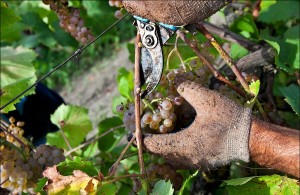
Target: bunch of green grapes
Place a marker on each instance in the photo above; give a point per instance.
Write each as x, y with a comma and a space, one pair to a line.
20, 171
70, 20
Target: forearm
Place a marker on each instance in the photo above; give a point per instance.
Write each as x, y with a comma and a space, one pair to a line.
275, 147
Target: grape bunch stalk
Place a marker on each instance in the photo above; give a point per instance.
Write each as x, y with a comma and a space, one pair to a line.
70, 20
21, 167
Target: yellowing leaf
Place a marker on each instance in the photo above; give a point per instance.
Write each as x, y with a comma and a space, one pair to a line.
78, 183
254, 89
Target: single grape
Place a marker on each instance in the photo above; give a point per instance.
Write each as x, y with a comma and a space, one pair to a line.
118, 14
164, 113
154, 125
156, 117
166, 105
120, 108
168, 122
178, 100
173, 116
171, 75
147, 118
163, 129
42, 160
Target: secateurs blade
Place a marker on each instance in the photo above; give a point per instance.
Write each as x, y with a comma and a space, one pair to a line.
153, 37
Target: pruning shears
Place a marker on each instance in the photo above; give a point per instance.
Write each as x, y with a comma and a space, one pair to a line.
153, 37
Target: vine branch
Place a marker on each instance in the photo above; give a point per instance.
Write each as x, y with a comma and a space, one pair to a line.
137, 100
214, 71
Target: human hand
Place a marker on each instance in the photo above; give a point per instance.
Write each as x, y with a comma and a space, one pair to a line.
218, 135
177, 13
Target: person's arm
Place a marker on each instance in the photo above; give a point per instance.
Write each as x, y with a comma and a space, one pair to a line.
275, 147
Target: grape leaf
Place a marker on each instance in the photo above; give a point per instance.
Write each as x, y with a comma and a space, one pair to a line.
75, 124
163, 187
125, 83
40, 184
273, 11
254, 89
237, 51
247, 25
273, 184
107, 188
292, 96
108, 142
17, 73
67, 167
8, 18
77, 183
238, 181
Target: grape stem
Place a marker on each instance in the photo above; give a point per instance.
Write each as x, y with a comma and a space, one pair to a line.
148, 104
122, 177
175, 49
214, 71
137, 100
93, 139
66, 141
4, 181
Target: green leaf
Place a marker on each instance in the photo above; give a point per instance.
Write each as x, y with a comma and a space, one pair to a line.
274, 11
254, 89
8, 18
75, 124
163, 187
187, 181
237, 182
291, 48
246, 24
292, 96
125, 83
237, 51
273, 184
107, 188
17, 73
108, 142
40, 184
67, 167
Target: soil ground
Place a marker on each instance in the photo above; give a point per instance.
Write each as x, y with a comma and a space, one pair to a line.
96, 88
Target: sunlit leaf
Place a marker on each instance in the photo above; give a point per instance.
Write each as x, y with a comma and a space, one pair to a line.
163, 187
78, 183
292, 96
67, 167
254, 89
75, 124
17, 73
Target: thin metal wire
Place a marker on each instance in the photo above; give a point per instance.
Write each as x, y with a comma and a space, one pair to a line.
76, 53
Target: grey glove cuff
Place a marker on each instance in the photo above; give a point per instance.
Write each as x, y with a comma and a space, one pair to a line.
238, 136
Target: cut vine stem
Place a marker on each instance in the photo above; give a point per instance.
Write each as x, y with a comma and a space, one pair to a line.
137, 101
200, 27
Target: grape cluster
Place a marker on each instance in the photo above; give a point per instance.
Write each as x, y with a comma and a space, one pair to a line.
118, 4
164, 171
70, 20
20, 170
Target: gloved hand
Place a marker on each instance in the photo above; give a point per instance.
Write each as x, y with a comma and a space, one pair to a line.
176, 13
219, 134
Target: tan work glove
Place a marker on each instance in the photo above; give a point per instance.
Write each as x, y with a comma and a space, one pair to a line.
177, 12
219, 134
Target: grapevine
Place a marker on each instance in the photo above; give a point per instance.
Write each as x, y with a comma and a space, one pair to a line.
164, 111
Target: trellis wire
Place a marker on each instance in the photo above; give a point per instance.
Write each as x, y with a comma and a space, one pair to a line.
75, 54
